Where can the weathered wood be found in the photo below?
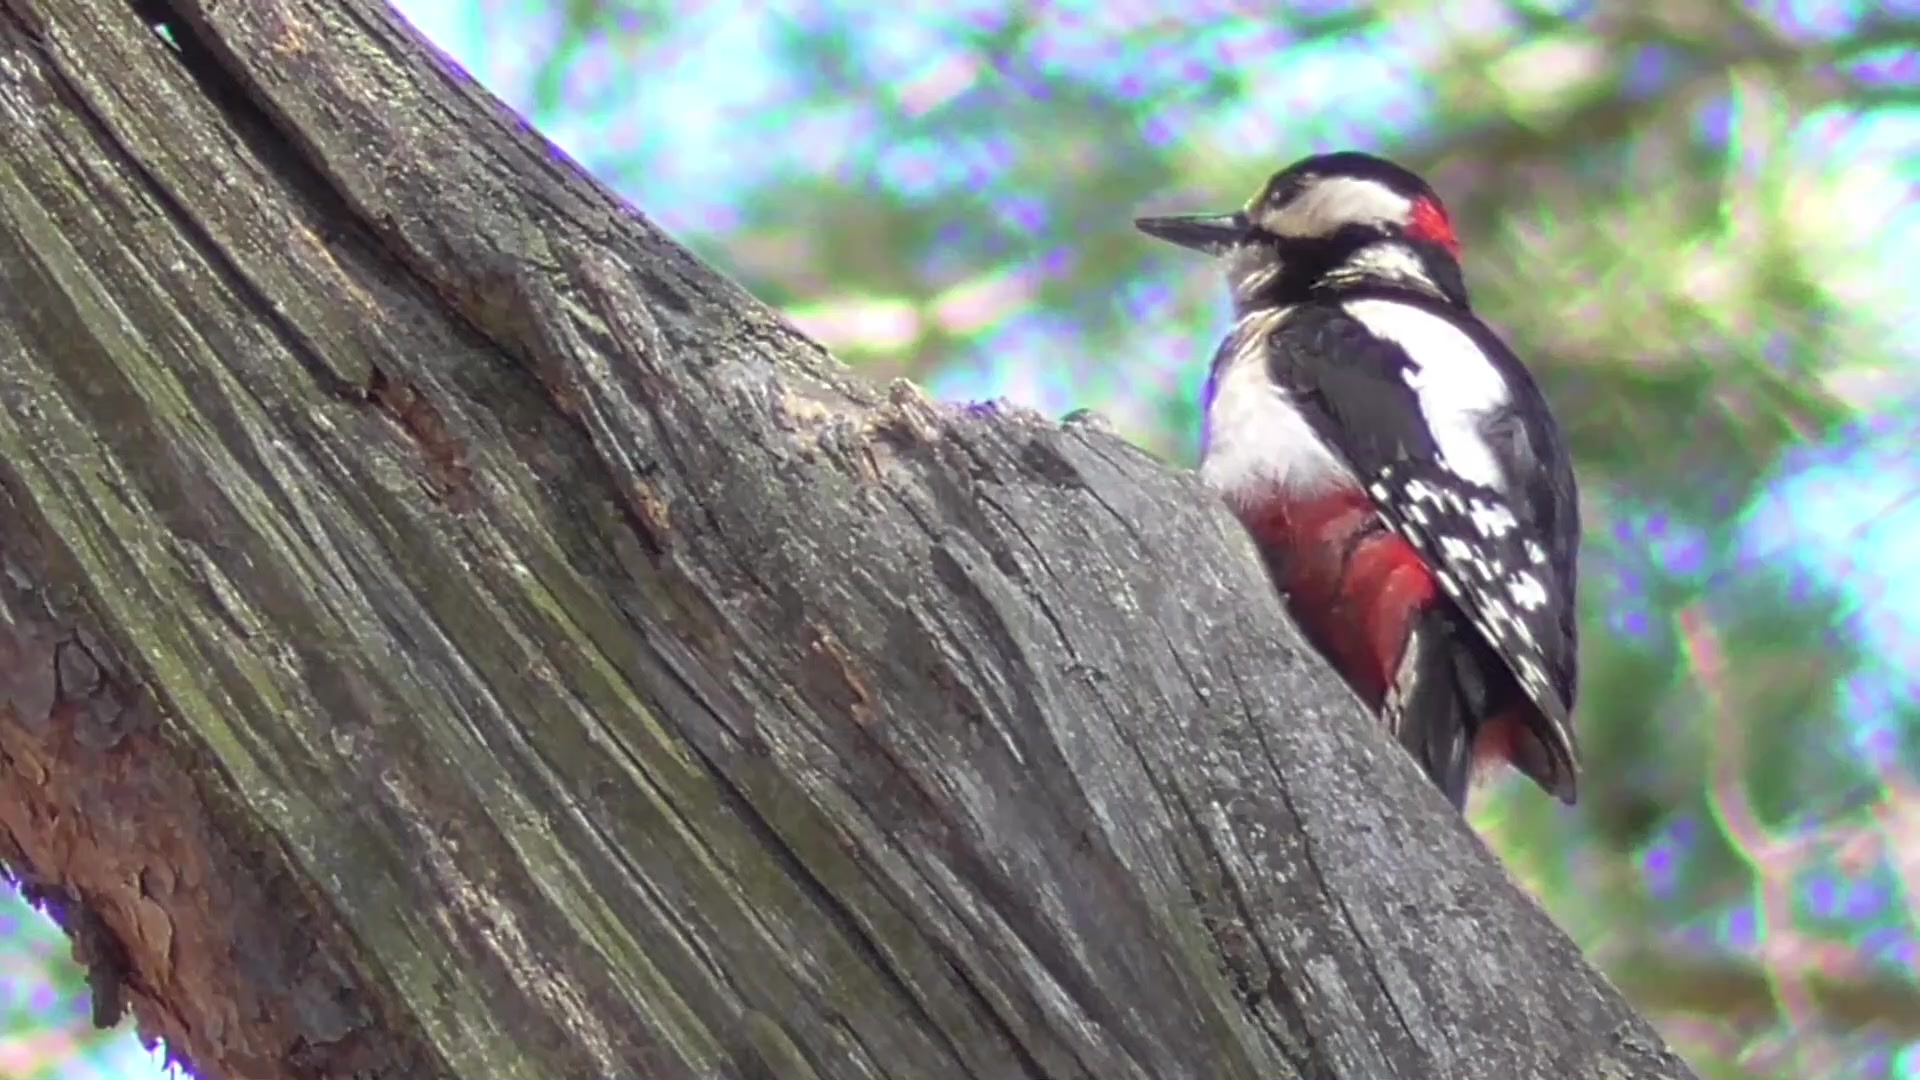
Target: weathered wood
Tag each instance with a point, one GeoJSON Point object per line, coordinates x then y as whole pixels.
{"type": "Point", "coordinates": [446, 630]}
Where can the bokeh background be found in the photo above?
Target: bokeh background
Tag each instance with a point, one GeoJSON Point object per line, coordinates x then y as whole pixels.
{"type": "Point", "coordinates": [1696, 218]}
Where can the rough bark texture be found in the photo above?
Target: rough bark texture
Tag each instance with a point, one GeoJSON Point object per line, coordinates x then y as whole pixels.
{"type": "Point", "coordinates": [446, 630]}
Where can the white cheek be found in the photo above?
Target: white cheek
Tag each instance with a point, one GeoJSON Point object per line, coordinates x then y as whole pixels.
{"type": "Point", "coordinates": [1257, 444]}
{"type": "Point", "coordinates": [1396, 262]}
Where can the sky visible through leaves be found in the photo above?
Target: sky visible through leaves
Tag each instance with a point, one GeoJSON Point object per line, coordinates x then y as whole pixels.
{"type": "Point", "coordinates": [1694, 218]}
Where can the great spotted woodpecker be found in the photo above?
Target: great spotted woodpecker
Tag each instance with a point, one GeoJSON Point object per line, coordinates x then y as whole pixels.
{"type": "Point", "coordinates": [1396, 466]}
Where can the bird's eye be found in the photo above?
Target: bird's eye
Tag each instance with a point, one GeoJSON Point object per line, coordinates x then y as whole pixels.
{"type": "Point", "coordinates": [1285, 191]}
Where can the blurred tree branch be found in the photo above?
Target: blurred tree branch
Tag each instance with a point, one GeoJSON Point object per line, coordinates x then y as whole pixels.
{"type": "Point", "coordinates": [1843, 993]}
{"type": "Point", "coordinates": [1708, 44]}
{"type": "Point", "coordinates": [446, 630]}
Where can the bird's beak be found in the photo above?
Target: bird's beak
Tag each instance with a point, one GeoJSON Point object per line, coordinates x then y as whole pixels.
{"type": "Point", "coordinates": [1209, 233]}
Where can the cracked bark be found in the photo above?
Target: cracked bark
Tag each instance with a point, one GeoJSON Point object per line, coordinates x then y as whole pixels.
{"type": "Point", "coordinates": [446, 630]}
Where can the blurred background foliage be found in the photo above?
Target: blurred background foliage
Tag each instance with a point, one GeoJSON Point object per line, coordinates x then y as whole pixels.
{"type": "Point", "coordinates": [1697, 220]}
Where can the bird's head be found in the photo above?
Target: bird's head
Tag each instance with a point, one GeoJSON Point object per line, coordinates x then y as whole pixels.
{"type": "Point", "coordinates": [1328, 222]}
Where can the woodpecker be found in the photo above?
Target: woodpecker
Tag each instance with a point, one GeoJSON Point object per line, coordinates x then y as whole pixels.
{"type": "Point", "coordinates": [1396, 466]}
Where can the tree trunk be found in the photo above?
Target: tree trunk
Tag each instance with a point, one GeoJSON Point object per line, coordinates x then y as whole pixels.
{"type": "Point", "coordinates": [446, 630]}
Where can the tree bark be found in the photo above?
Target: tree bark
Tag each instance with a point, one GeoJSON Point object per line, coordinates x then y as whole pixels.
{"type": "Point", "coordinates": [446, 630]}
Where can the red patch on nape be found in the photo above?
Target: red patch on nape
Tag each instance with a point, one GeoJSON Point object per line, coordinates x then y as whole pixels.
{"type": "Point", "coordinates": [1430, 224]}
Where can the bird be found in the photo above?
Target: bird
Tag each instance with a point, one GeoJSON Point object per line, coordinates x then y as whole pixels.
{"type": "Point", "coordinates": [1397, 467]}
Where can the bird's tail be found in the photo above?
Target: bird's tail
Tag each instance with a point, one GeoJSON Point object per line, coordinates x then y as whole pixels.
{"type": "Point", "coordinates": [1448, 685]}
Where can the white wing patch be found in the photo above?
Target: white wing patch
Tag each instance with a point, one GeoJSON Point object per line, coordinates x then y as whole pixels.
{"type": "Point", "coordinates": [1527, 591]}
{"type": "Point", "coordinates": [1256, 442]}
{"type": "Point", "coordinates": [1494, 576]}
{"type": "Point", "coordinates": [1456, 384]}
{"type": "Point", "coordinates": [1493, 519]}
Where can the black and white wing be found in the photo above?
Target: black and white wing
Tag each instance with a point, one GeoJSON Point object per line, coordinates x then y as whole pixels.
{"type": "Point", "coordinates": [1453, 442]}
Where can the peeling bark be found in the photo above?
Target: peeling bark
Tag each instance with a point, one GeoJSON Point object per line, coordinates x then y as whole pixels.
{"type": "Point", "coordinates": [446, 630]}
